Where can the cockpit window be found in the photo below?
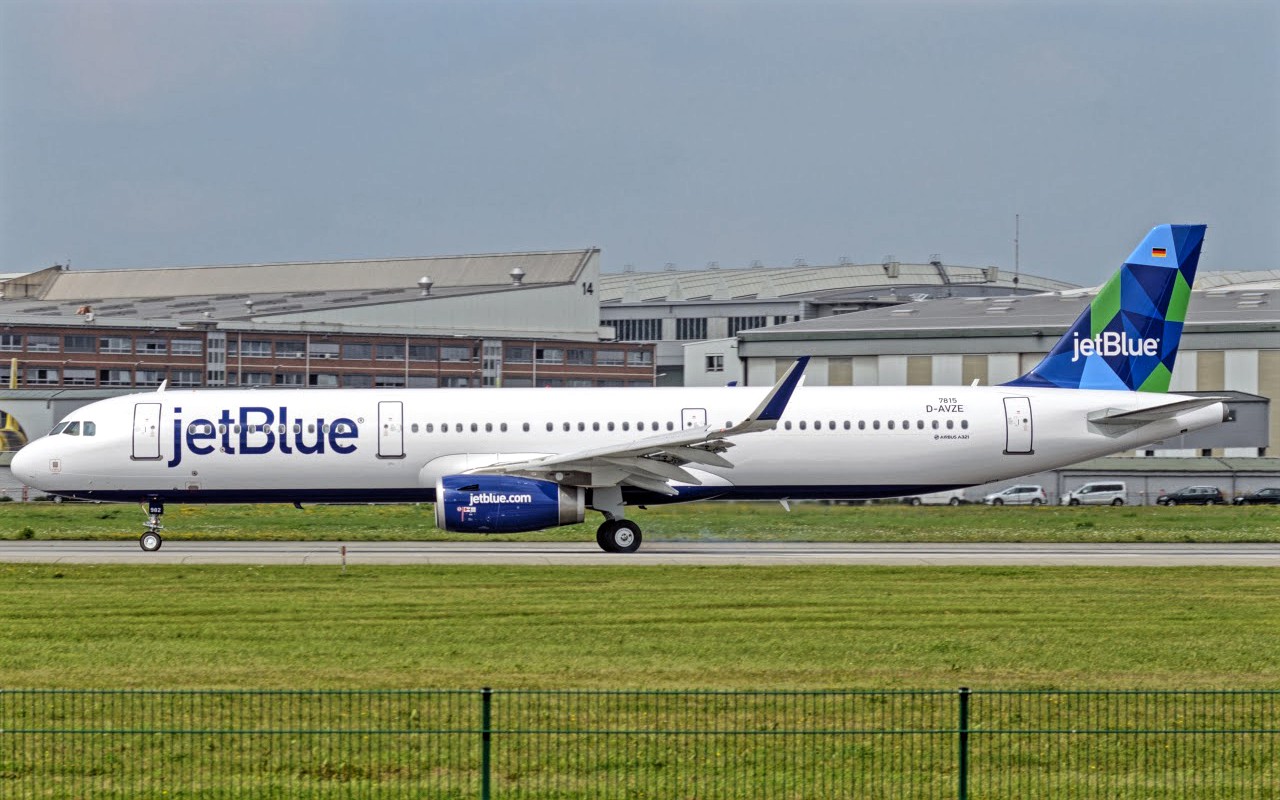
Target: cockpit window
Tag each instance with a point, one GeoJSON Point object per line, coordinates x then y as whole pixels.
{"type": "Point", "coordinates": [89, 429]}
{"type": "Point", "coordinates": [73, 429]}
{"type": "Point", "coordinates": [57, 429]}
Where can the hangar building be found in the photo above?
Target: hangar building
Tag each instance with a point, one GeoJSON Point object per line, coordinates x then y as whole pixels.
{"type": "Point", "coordinates": [672, 308]}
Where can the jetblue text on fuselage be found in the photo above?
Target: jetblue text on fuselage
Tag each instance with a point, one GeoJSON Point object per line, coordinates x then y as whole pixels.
{"type": "Point", "coordinates": [248, 431]}
{"type": "Point", "coordinates": [1113, 343]}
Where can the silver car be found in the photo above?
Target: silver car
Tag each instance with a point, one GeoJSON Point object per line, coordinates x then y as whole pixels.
{"type": "Point", "coordinates": [1027, 494]}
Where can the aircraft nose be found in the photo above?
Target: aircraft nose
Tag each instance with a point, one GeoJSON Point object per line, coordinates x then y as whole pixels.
{"type": "Point", "coordinates": [23, 465]}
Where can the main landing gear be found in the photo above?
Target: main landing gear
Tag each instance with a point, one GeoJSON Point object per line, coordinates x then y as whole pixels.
{"type": "Point", "coordinates": [618, 536]}
{"type": "Point", "coordinates": [151, 540]}
{"type": "Point", "coordinates": [615, 534]}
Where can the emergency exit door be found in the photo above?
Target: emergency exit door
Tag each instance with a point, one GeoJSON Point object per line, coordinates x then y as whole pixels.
{"type": "Point", "coordinates": [693, 418]}
{"type": "Point", "coordinates": [390, 429]}
{"type": "Point", "coordinates": [146, 431]}
{"type": "Point", "coordinates": [1017, 419]}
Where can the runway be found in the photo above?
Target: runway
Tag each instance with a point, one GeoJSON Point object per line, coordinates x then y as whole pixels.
{"type": "Point", "coordinates": [653, 553]}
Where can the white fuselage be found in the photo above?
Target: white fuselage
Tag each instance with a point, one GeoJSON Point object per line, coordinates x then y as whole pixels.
{"type": "Point", "coordinates": [392, 445]}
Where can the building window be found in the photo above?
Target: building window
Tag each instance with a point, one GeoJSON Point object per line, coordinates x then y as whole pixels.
{"type": "Point", "coordinates": [187, 347]}
{"type": "Point", "coordinates": [358, 351]}
{"type": "Point", "coordinates": [390, 352]}
{"type": "Point", "coordinates": [550, 355]}
{"type": "Point", "coordinates": [323, 349]}
{"type": "Point", "coordinates": [323, 379]}
{"type": "Point", "coordinates": [638, 330]}
{"type": "Point", "coordinates": [388, 381]}
{"type": "Point", "coordinates": [256, 379]}
{"type": "Point", "coordinates": [519, 355]}
{"type": "Point", "coordinates": [517, 383]}
{"type": "Point", "coordinates": [744, 323]}
{"type": "Point", "coordinates": [358, 381]}
{"type": "Point", "coordinates": [639, 358]}
{"type": "Point", "coordinates": [150, 377]}
{"type": "Point", "coordinates": [580, 358]}
{"type": "Point", "coordinates": [115, 377]}
{"type": "Point", "coordinates": [184, 377]}
{"type": "Point", "coordinates": [691, 328]}
{"type": "Point", "coordinates": [715, 363]}
{"type": "Point", "coordinates": [41, 376]}
{"type": "Point", "coordinates": [252, 348]}
{"type": "Point", "coordinates": [10, 341]}
{"type": "Point", "coordinates": [79, 377]}
{"type": "Point", "coordinates": [287, 349]}
{"type": "Point", "coordinates": [42, 343]}
{"type": "Point", "coordinates": [456, 381]}
{"type": "Point", "coordinates": [609, 358]}
{"type": "Point", "coordinates": [288, 379]}
{"type": "Point", "coordinates": [454, 353]}
{"type": "Point", "coordinates": [115, 344]}
{"type": "Point", "coordinates": [424, 352]}
{"type": "Point", "coordinates": [79, 344]}
{"type": "Point", "coordinates": [153, 347]}
{"type": "Point", "coordinates": [423, 382]}
{"type": "Point", "coordinates": [780, 320]}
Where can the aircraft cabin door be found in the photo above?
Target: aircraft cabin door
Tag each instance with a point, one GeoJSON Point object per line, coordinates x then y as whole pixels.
{"type": "Point", "coordinates": [693, 418]}
{"type": "Point", "coordinates": [390, 429]}
{"type": "Point", "coordinates": [146, 431]}
{"type": "Point", "coordinates": [1017, 418]}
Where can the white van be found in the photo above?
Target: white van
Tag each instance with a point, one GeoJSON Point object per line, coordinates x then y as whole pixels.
{"type": "Point", "coordinates": [1100, 493]}
{"type": "Point", "coordinates": [951, 497]}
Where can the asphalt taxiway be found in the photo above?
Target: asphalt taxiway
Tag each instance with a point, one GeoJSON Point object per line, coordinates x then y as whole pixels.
{"type": "Point", "coordinates": [495, 551]}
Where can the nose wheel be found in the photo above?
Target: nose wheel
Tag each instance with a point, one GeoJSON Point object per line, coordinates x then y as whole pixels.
{"type": "Point", "coordinates": [151, 540]}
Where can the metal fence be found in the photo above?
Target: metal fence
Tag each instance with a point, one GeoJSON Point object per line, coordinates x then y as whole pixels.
{"type": "Point", "coordinates": [639, 744]}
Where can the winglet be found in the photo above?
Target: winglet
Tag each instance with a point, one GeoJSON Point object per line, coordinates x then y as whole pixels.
{"type": "Point", "coordinates": [767, 414]}
{"type": "Point", "coordinates": [770, 410]}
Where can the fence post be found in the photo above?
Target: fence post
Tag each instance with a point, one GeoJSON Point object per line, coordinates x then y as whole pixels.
{"type": "Point", "coordinates": [486, 735]}
{"type": "Point", "coordinates": [962, 788]}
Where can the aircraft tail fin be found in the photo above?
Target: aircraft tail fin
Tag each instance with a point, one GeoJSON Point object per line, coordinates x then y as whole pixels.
{"type": "Point", "coordinates": [1128, 336]}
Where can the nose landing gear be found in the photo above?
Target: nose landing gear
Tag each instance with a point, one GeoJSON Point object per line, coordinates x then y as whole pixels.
{"type": "Point", "coordinates": [151, 540]}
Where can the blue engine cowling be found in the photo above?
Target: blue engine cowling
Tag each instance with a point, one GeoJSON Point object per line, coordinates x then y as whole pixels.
{"type": "Point", "coordinates": [505, 504]}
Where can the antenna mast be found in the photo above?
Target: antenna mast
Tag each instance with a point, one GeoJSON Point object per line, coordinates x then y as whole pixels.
{"type": "Point", "coordinates": [1016, 230]}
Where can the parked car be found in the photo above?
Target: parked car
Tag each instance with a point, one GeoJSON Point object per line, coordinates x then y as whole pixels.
{"type": "Point", "coordinates": [1021, 495]}
{"type": "Point", "coordinates": [1099, 493]}
{"type": "Point", "coordinates": [951, 497]}
{"type": "Point", "coordinates": [1192, 495]}
{"type": "Point", "coordinates": [1269, 496]}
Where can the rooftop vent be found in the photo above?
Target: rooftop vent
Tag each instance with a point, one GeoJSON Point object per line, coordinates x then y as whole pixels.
{"type": "Point", "coordinates": [424, 285]}
{"type": "Point", "coordinates": [517, 277]}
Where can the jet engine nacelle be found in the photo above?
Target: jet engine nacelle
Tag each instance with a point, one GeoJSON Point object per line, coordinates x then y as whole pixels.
{"type": "Point", "coordinates": [505, 504]}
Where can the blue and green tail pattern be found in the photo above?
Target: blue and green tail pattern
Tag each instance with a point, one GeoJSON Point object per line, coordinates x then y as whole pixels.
{"type": "Point", "coordinates": [1128, 336]}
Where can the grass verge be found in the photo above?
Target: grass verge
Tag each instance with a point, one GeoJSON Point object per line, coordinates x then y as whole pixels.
{"type": "Point", "coordinates": [637, 627]}
{"type": "Point", "coordinates": [694, 521]}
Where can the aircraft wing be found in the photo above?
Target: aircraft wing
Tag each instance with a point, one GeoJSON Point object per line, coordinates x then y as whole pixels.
{"type": "Point", "coordinates": [1144, 416]}
{"type": "Point", "coordinates": [652, 461]}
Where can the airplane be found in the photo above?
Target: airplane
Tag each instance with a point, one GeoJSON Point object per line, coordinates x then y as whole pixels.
{"type": "Point", "coordinates": [528, 459]}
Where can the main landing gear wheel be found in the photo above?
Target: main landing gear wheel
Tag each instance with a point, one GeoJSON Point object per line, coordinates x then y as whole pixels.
{"type": "Point", "coordinates": [151, 541]}
{"type": "Point", "coordinates": [618, 536]}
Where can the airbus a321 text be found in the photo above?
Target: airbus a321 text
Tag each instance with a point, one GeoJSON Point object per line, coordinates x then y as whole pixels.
{"type": "Point", "coordinates": [527, 459]}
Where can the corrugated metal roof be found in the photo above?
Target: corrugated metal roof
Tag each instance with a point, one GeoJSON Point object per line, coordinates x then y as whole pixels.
{"type": "Point", "coordinates": [400, 274]}
{"type": "Point", "coordinates": [965, 316]}
{"type": "Point", "coordinates": [673, 285]}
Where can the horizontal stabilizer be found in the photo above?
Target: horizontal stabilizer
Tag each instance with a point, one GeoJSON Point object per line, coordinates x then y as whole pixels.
{"type": "Point", "coordinates": [1145, 416]}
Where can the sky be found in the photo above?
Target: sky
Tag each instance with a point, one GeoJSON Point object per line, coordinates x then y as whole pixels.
{"type": "Point", "coordinates": [150, 134]}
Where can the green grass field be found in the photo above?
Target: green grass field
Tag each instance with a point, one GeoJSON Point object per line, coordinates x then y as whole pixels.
{"type": "Point", "coordinates": [638, 627]}
{"type": "Point", "coordinates": [694, 521]}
